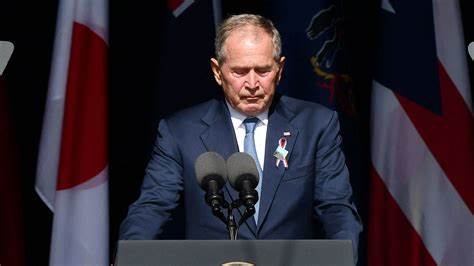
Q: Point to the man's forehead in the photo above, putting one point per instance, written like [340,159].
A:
[245,64]
[249,39]
[250,32]
[239,60]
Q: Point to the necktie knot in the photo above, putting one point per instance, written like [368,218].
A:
[250,124]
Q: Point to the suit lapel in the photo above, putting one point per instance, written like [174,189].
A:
[278,122]
[220,137]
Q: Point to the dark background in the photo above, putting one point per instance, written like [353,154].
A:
[135,107]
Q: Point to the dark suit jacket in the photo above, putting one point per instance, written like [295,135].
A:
[313,193]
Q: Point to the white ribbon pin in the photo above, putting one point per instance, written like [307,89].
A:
[281,153]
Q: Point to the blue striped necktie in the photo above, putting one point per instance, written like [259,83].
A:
[249,147]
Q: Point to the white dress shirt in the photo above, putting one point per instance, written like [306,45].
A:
[260,132]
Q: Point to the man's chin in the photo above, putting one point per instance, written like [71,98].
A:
[252,110]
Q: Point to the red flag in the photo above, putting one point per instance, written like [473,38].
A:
[11,225]
[72,176]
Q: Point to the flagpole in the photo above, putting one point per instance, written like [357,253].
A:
[217,12]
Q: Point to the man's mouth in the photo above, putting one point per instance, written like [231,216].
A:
[252,98]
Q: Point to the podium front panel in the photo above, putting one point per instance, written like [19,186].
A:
[219,252]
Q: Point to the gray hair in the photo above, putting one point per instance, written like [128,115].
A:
[239,21]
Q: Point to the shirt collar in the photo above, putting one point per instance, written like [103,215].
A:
[238,118]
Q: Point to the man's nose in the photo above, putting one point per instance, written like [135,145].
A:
[252,80]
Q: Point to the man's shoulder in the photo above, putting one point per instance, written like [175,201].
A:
[302,108]
[192,113]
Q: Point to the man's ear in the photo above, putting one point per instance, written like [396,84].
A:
[216,70]
[281,64]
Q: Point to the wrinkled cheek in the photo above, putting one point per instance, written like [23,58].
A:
[267,91]
[235,95]
[269,88]
[238,91]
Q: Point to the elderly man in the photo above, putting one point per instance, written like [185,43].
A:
[304,192]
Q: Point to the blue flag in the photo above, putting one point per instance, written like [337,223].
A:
[317,69]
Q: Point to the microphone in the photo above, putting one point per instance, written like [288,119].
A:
[243,176]
[210,169]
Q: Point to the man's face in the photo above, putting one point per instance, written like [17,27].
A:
[249,73]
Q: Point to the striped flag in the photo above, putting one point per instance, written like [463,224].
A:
[72,166]
[422,129]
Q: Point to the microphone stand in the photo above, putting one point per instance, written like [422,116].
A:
[249,212]
[217,202]
[232,226]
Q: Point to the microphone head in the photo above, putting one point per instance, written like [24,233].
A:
[210,166]
[241,166]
